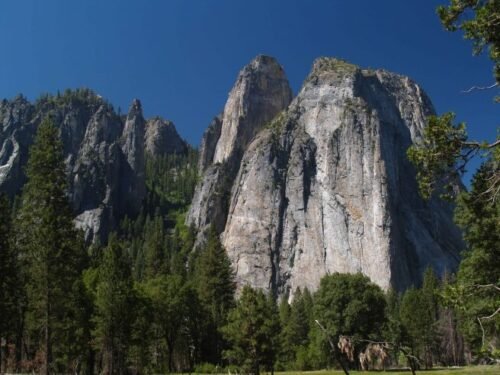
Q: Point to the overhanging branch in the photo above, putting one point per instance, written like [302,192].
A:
[474,88]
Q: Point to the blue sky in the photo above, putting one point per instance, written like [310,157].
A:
[181,57]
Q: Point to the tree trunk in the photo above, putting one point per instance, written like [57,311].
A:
[2,369]
[47,338]
[341,362]
[170,344]
[90,362]
[19,341]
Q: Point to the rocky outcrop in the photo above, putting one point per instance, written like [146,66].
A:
[261,91]
[132,176]
[209,143]
[162,138]
[327,187]
[104,153]
[16,135]
[95,178]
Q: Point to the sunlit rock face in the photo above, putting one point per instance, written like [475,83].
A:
[260,92]
[326,187]
[162,138]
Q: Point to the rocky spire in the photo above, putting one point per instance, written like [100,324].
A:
[260,92]
[132,176]
[133,137]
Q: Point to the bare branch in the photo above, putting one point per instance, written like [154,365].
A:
[490,316]
[480,318]
[482,330]
[477,144]
[473,88]
[487,286]
[334,348]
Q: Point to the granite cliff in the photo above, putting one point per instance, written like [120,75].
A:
[261,91]
[296,187]
[104,153]
[299,189]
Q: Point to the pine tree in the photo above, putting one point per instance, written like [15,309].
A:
[216,287]
[295,331]
[286,356]
[430,290]
[168,298]
[154,249]
[451,340]
[9,283]
[253,332]
[114,308]
[477,290]
[54,254]
[418,322]
[393,330]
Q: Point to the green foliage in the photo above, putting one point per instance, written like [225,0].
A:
[154,248]
[170,181]
[169,305]
[215,286]
[81,97]
[206,368]
[339,66]
[53,253]
[419,317]
[445,150]
[114,307]
[393,330]
[480,22]
[253,331]
[475,293]
[349,305]
[10,288]
[296,322]
[440,159]
[276,127]
[436,157]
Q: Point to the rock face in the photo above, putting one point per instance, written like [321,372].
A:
[104,154]
[209,143]
[296,188]
[261,91]
[16,134]
[327,187]
[162,138]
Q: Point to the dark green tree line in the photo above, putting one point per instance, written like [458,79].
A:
[53,257]
[441,158]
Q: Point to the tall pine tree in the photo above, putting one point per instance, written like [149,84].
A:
[253,330]
[114,312]
[54,255]
[216,287]
[9,283]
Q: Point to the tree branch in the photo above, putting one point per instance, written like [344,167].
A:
[477,144]
[487,286]
[490,316]
[473,88]
[334,348]
[480,318]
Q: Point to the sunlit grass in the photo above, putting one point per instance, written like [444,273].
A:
[469,370]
